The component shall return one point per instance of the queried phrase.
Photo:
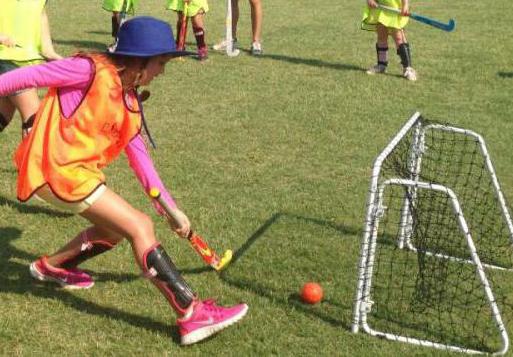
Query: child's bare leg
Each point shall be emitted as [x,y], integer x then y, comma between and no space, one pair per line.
[403,50]
[27,104]
[199,33]
[382,45]
[382,33]
[399,37]
[197,20]
[381,50]
[256,20]
[235,18]
[113,213]
[179,19]
[113,216]
[86,245]
[6,112]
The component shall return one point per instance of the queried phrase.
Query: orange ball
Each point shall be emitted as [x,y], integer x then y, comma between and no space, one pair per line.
[311,293]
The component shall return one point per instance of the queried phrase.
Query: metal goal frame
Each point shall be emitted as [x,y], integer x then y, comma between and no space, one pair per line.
[363,301]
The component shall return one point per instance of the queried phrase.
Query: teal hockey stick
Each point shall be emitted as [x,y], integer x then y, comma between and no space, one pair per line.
[426,20]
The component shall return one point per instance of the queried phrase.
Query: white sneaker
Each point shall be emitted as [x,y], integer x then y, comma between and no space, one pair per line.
[378,68]
[221,46]
[410,74]
[256,49]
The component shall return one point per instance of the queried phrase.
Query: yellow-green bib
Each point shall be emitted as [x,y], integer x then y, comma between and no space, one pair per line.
[127,6]
[371,17]
[21,20]
[195,6]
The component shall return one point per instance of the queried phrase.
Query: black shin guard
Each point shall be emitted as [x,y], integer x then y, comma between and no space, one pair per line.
[404,53]
[4,122]
[89,250]
[115,26]
[27,125]
[382,55]
[164,274]
[199,34]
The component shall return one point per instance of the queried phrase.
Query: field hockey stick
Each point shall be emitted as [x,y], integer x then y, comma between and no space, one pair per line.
[199,245]
[426,20]
[230,51]
[183,27]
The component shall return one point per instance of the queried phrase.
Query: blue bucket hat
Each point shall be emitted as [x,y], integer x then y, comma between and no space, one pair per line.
[146,36]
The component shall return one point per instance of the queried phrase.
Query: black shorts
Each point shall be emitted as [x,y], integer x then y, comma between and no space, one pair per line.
[6,66]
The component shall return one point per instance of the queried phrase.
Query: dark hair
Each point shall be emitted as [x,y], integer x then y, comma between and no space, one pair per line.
[129,67]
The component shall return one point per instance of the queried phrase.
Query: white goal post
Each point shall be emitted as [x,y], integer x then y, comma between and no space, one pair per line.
[436,229]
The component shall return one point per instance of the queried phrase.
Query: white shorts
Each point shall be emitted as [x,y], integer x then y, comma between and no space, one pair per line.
[45,194]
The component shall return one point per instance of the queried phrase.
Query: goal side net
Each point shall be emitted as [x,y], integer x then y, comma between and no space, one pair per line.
[436,255]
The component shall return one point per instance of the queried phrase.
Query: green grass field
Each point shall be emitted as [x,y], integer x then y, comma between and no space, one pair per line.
[267,156]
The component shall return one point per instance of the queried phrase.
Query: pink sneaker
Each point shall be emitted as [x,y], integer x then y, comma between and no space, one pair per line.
[207,318]
[68,278]
[203,53]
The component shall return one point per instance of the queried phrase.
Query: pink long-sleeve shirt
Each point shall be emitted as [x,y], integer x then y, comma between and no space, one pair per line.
[72,76]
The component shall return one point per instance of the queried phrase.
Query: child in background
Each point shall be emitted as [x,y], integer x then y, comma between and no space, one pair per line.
[196,10]
[24,40]
[90,114]
[117,7]
[256,27]
[387,23]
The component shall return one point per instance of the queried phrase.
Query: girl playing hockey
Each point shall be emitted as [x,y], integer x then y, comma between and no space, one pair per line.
[90,114]
[387,23]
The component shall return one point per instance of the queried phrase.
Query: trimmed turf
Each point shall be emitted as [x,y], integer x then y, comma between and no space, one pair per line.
[268,156]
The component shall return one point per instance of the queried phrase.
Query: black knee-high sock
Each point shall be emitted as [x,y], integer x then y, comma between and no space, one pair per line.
[199,33]
[26,126]
[115,26]
[3,122]
[95,248]
[382,55]
[90,248]
[404,53]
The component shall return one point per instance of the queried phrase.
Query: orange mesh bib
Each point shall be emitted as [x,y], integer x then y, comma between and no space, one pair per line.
[68,153]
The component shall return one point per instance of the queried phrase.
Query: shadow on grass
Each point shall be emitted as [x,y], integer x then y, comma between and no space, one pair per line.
[99,32]
[310,62]
[83,45]
[388,74]
[15,279]
[318,310]
[275,217]
[8,171]
[26,208]
[505,74]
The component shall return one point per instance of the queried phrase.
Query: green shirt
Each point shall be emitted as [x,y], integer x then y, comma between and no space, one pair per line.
[21,20]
